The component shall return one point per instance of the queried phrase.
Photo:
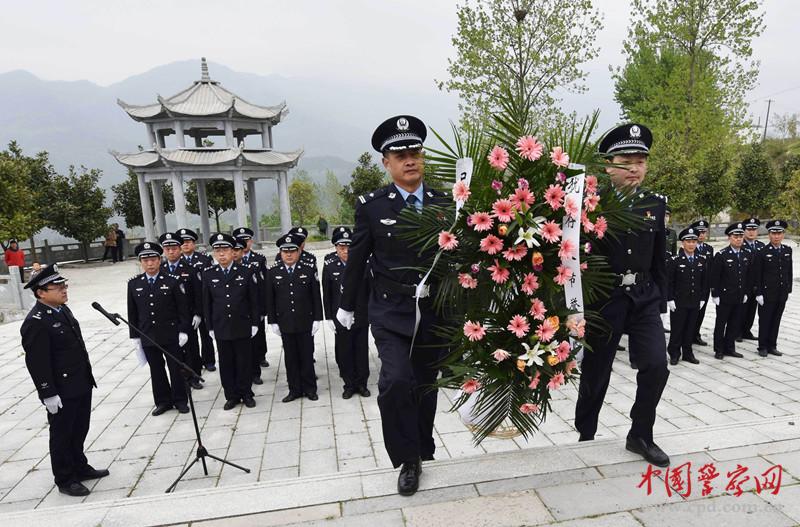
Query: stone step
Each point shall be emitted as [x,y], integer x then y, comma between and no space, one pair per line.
[328,495]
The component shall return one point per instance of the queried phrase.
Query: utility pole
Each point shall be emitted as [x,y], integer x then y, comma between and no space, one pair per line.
[766,122]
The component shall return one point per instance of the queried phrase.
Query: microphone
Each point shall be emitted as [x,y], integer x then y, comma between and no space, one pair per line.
[109,316]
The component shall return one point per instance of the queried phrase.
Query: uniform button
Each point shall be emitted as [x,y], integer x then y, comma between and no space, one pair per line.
[152,313]
[151,294]
[228,296]
[388,234]
[629,251]
[151,303]
[385,295]
[627,289]
[292,310]
[64,375]
[229,305]
[229,316]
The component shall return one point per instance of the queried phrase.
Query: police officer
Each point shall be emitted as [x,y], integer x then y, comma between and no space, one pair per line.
[731,282]
[176,266]
[258,263]
[703,249]
[352,345]
[636,302]
[158,307]
[305,256]
[406,397]
[58,363]
[687,289]
[672,237]
[230,304]
[752,245]
[199,261]
[773,284]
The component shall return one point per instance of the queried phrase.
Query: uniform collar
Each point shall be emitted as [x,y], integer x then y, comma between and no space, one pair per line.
[419,193]
[148,277]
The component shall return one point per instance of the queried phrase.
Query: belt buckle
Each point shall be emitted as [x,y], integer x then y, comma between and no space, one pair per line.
[629,279]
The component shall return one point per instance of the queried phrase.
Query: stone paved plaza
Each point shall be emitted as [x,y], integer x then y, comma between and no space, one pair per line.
[743,408]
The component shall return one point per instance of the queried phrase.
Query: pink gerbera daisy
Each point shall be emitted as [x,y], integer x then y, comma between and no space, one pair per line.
[588,226]
[503,210]
[481,221]
[570,207]
[545,331]
[570,367]
[498,158]
[565,252]
[591,202]
[562,351]
[447,241]
[537,309]
[590,184]
[523,183]
[461,191]
[530,284]
[515,253]
[474,331]
[519,326]
[535,380]
[559,157]
[522,196]
[491,244]
[529,148]
[600,226]
[564,274]
[556,381]
[466,281]
[470,386]
[500,355]
[499,273]
[529,408]
[554,196]
[550,231]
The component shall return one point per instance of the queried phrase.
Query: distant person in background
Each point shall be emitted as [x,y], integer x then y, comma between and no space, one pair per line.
[15,256]
[110,244]
[36,268]
[120,243]
[323,226]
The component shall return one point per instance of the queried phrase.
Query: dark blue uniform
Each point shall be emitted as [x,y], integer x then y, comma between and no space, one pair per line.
[58,363]
[258,263]
[352,345]
[231,309]
[687,286]
[730,281]
[406,398]
[199,261]
[772,275]
[189,277]
[749,312]
[160,311]
[633,309]
[294,304]
[703,249]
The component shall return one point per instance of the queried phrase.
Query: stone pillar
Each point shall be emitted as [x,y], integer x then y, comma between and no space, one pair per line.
[158,202]
[147,214]
[271,144]
[241,204]
[283,201]
[229,134]
[180,199]
[179,133]
[151,136]
[202,206]
[252,203]
[266,139]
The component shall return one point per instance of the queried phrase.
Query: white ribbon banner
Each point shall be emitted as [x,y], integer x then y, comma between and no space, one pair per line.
[571,230]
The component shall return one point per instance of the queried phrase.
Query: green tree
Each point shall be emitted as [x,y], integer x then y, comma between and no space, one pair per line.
[127,204]
[756,188]
[788,205]
[366,177]
[23,182]
[77,206]
[531,49]
[220,195]
[331,201]
[303,198]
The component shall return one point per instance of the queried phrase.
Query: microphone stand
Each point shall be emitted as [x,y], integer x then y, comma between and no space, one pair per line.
[188,373]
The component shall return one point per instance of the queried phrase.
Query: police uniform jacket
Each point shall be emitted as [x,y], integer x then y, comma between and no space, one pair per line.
[687,282]
[730,279]
[55,353]
[199,260]
[230,304]
[293,301]
[192,285]
[392,283]
[258,263]
[773,272]
[704,249]
[672,242]
[305,257]
[332,277]
[160,311]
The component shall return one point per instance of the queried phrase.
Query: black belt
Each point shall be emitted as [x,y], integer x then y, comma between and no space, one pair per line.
[398,288]
[628,279]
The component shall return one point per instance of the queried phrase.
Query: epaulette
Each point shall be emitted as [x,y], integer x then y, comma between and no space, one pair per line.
[208,268]
[134,277]
[365,198]
[276,263]
[330,257]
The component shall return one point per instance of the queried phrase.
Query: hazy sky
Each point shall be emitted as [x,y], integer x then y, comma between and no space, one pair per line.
[401,42]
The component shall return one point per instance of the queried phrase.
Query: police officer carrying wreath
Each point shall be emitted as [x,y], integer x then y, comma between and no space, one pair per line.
[635,304]
[406,400]
[687,288]
[58,363]
[772,274]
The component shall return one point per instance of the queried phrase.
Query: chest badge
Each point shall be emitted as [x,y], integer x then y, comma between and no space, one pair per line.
[388,221]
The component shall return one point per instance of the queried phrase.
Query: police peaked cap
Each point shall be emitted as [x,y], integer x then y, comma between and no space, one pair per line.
[221,239]
[301,231]
[398,133]
[292,240]
[630,138]
[48,275]
[148,249]
[735,228]
[169,238]
[187,234]
[777,225]
[239,244]
[700,225]
[689,233]
[342,235]
[749,223]
[243,233]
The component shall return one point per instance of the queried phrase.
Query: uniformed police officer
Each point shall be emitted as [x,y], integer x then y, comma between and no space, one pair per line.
[176,266]
[352,345]
[752,245]
[672,237]
[230,304]
[406,398]
[731,282]
[258,263]
[305,256]
[158,307]
[773,284]
[58,363]
[636,302]
[199,261]
[703,249]
[687,288]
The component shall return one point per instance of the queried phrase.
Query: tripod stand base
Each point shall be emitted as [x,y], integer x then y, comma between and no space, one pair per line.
[201,456]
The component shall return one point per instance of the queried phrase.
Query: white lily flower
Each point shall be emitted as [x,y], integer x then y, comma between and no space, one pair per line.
[527,236]
[531,355]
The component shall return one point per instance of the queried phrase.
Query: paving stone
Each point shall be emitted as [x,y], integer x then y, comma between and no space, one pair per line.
[742,511]
[276,518]
[516,508]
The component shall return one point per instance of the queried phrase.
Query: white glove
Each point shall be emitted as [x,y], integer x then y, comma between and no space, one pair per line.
[211,334]
[53,404]
[744,300]
[253,331]
[140,352]
[345,318]
[760,300]
[671,305]
[275,329]
[715,299]
[315,327]
[183,338]
[331,325]
[702,303]
[196,321]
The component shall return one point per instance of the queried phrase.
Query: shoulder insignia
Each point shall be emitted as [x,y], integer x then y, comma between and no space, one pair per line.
[365,198]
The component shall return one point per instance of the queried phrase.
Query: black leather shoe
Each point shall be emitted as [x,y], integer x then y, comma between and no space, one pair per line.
[289,398]
[257,380]
[648,450]
[734,354]
[182,408]
[408,481]
[719,355]
[775,352]
[161,408]
[749,336]
[73,489]
[634,365]
[762,353]
[93,473]
[230,405]
[691,359]
[347,393]
[194,383]
[739,340]
[363,392]
[582,438]
[312,396]
[211,367]
[673,360]
[265,363]
[249,402]
[699,341]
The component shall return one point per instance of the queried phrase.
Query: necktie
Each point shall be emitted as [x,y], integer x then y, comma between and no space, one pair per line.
[290,270]
[171,268]
[226,273]
[412,201]
[151,280]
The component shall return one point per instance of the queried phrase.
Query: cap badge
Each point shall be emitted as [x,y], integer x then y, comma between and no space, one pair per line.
[219,236]
[288,239]
[739,225]
[168,236]
[635,132]
[146,245]
[55,268]
[402,124]
[346,235]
